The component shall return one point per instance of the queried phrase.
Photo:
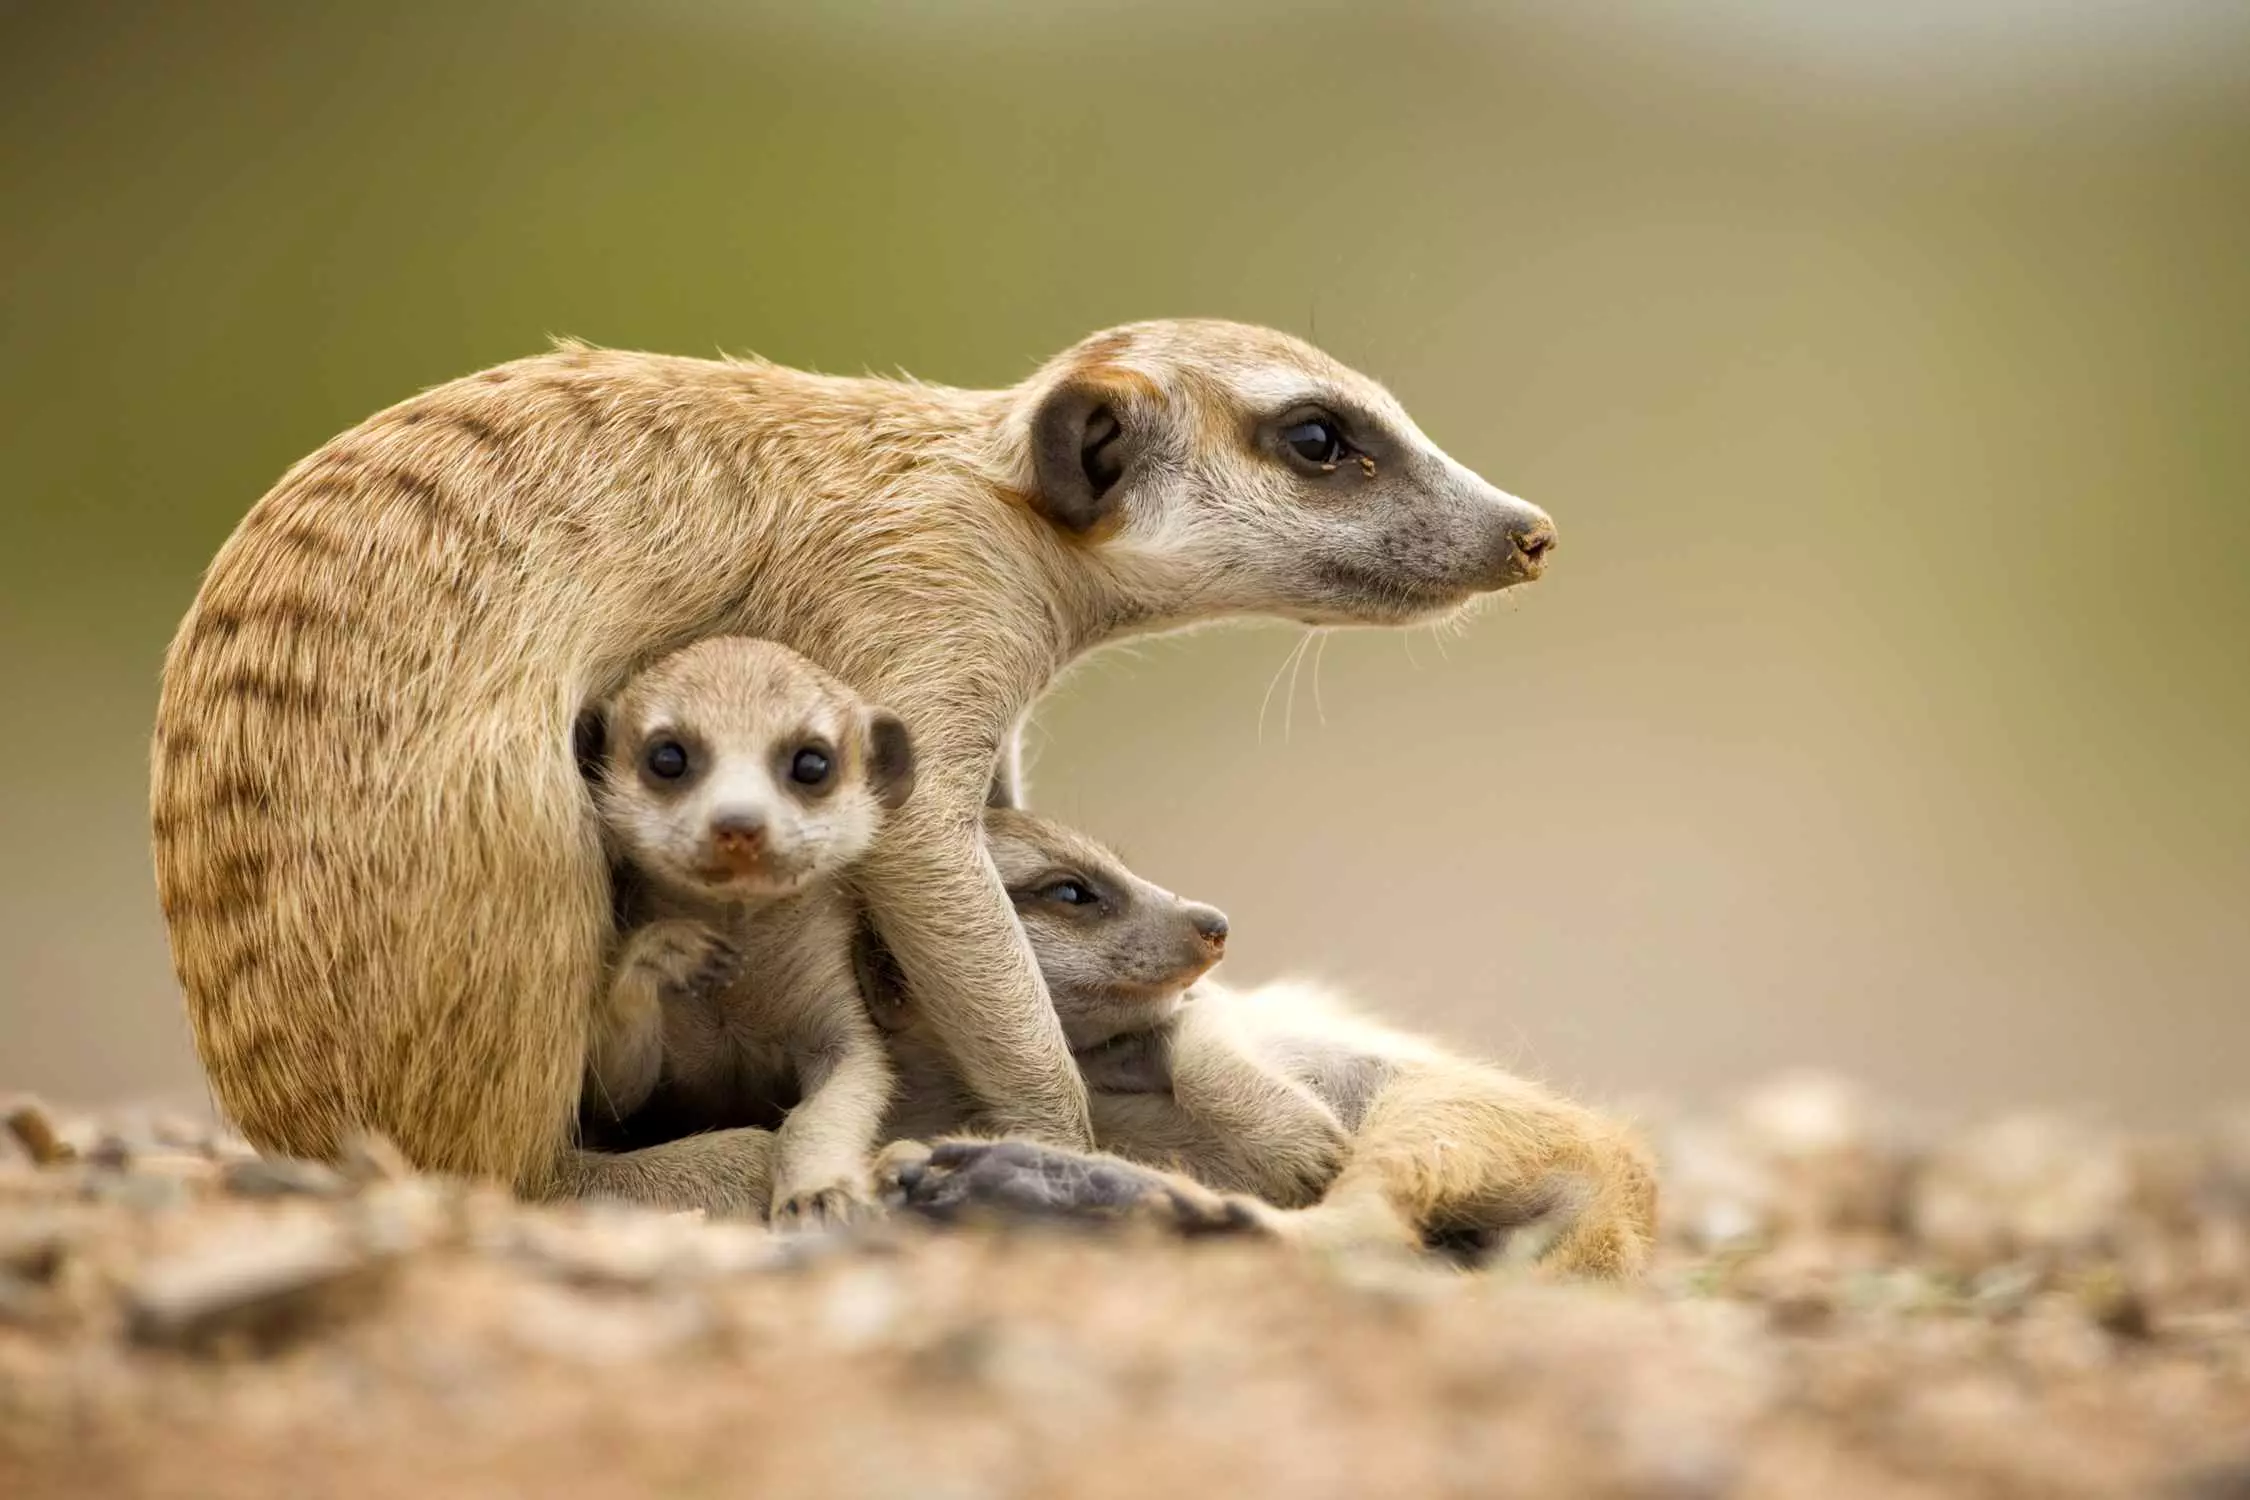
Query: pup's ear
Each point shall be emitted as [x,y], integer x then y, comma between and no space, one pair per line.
[1081,452]
[890,758]
[589,740]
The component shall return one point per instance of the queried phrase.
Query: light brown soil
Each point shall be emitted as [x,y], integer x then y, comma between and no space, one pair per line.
[1842,1309]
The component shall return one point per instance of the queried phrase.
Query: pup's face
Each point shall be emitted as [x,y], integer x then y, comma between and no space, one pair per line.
[735,770]
[1118,952]
[1227,468]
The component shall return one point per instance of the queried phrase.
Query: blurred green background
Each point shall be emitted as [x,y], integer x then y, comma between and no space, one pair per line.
[1887,369]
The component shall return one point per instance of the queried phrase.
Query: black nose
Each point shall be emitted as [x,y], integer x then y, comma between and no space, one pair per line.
[1212,925]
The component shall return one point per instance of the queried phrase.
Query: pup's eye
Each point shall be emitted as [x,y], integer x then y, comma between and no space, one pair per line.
[810,768]
[1068,892]
[667,760]
[1316,440]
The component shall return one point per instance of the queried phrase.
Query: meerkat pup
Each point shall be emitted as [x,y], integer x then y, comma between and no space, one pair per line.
[738,782]
[1364,1136]
[383,878]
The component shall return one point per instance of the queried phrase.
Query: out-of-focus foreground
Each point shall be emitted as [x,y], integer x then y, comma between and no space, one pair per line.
[1845,1307]
[1883,366]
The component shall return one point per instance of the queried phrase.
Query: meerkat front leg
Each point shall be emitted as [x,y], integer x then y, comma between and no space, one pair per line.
[821,1151]
[938,904]
[728,1173]
[1263,1133]
[625,1044]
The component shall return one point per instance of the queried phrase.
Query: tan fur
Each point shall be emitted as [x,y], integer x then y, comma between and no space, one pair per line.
[1442,1149]
[381,870]
[735,982]
[1366,1137]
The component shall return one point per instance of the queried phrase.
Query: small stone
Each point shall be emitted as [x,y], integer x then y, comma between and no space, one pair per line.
[397,1218]
[367,1157]
[147,1192]
[256,1292]
[2114,1306]
[282,1177]
[2005,1289]
[31,1126]
[33,1251]
[1804,1309]
[180,1133]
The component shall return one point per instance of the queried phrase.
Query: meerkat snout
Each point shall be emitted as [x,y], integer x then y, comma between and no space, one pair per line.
[1532,539]
[1210,925]
[1518,536]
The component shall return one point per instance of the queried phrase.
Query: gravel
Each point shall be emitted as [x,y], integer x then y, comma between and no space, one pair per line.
[1850,1303]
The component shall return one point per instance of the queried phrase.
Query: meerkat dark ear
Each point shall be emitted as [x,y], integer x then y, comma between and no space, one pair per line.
[1080,450]
[890,758]
[589,741]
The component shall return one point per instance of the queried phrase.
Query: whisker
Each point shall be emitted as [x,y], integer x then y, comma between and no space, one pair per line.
[1270,686]
[1289,708]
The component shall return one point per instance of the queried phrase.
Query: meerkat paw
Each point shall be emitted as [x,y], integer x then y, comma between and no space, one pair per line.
[957,1180]
[832,1206]
[1308,1166]
[688,956]
[894,1164]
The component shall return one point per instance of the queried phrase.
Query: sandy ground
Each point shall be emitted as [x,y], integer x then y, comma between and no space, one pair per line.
[1845,1307]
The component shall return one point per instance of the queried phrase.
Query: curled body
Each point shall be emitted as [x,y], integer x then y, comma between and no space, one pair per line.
[1349,1134]
[738,786]
[383,878]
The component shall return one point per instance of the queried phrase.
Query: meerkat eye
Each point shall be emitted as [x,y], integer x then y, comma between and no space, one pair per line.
[1316,440]
[810,767]
[1068,892]
[667,760]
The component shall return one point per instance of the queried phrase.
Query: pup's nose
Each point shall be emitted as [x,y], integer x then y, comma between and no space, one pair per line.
[1211,926]
[737,836]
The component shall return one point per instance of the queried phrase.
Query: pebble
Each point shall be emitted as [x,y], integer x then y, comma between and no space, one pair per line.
[32,1127]
[259,1290]
[282,1177]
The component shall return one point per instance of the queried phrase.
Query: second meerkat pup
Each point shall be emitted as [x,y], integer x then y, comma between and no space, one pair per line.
[1361,1136]
[737,783]
[382,877]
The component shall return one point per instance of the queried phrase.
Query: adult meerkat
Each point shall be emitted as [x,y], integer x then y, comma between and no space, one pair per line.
[381,871]
[738,783]
[1360,1136]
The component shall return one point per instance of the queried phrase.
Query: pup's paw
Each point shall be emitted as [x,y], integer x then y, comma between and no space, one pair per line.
[831,1206]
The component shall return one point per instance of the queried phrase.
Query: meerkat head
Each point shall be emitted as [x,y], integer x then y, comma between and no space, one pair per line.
[1218,468]
[1118,952]
[737,770]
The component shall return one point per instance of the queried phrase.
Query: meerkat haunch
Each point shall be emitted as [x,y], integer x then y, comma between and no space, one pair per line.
[738,783]
[382,875]
[1366,1136]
